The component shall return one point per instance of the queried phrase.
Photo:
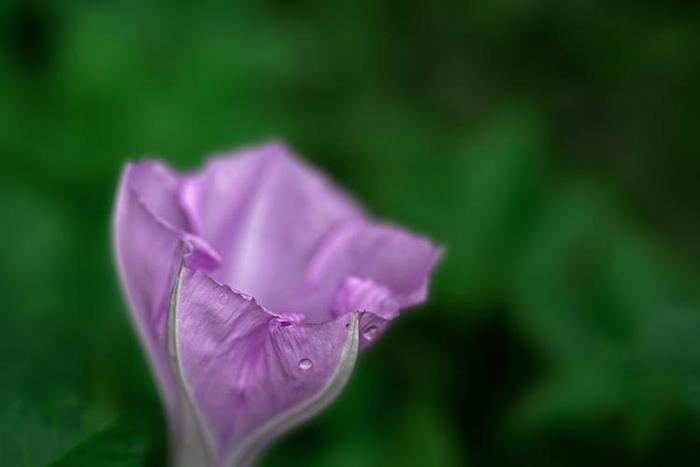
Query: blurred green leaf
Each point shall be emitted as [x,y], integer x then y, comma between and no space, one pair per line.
[125,444]
[550,147]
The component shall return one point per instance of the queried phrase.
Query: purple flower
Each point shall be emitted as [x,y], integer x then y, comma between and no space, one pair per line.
[253,285]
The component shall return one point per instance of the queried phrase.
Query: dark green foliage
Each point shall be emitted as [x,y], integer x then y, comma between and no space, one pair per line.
[552,147]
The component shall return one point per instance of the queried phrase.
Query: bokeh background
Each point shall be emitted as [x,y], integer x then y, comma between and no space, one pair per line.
[551,146]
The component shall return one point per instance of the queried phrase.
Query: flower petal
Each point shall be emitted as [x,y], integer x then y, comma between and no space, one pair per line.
[251,374]
[265,212]
[395,258]
[149,248]
[357,294]
[361,261]
[157,187]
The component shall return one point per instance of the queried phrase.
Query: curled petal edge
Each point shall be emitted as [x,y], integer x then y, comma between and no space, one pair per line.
[194,442]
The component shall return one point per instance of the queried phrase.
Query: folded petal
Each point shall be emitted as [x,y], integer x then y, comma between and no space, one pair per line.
[265,212]
[251,374]
[157,187]
[380,268]
[395,258]
[357,294]
[149,248]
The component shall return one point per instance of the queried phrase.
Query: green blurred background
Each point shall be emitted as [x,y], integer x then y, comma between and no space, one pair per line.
[551,146]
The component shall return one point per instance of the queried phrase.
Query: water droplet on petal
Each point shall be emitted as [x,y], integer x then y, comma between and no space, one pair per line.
[305,364]
[370,332]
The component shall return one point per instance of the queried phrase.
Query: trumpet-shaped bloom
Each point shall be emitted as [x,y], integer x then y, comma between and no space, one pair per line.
[253,285]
